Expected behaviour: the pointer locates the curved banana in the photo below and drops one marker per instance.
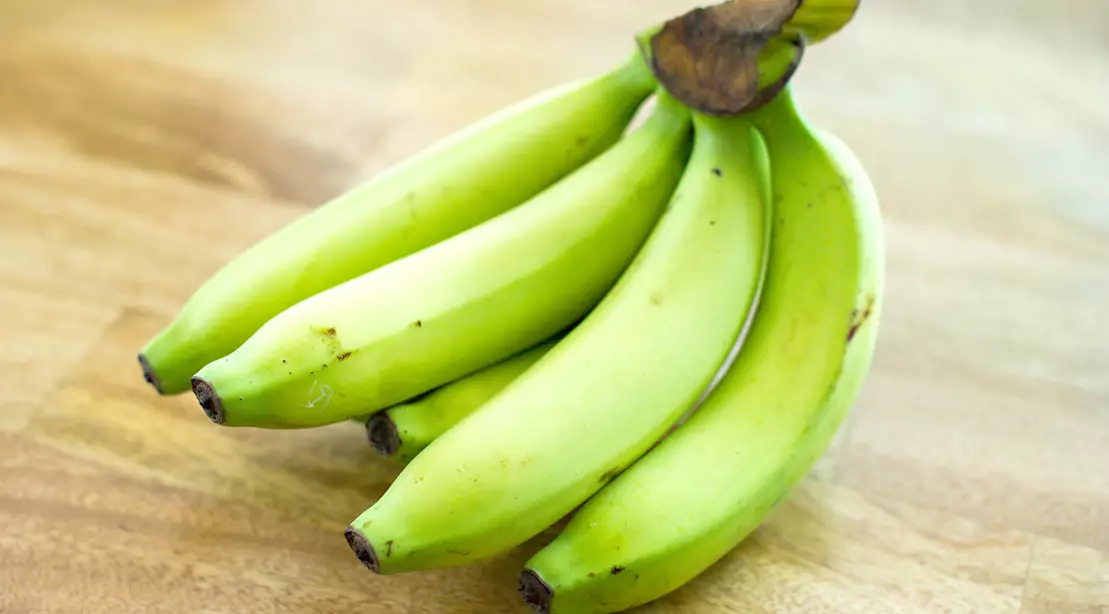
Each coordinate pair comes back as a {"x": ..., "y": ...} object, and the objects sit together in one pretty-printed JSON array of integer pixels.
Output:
[
  {"x": 702, "y": 490},
  {"x": 402, "y": 431},
  {"x": 604, "y": 394},
  {"x": 468, "y": 178},
  {"x": 460, "y": 305}
]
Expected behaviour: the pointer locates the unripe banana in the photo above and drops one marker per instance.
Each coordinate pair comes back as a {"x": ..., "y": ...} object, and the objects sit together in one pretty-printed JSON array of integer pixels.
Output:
[
  {"x": 462, "y": 181},
  {"x": 604, "y": 394},
  {"x": 402, "y": 431},
  {"x": 703, "y": 489},
  {"x": 816, "y": 20},
  {"x": 460, "y": 305}
]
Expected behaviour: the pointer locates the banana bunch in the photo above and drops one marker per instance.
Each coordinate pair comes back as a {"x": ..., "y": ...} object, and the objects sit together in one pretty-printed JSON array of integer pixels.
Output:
[{"x": 655, "y": 328}]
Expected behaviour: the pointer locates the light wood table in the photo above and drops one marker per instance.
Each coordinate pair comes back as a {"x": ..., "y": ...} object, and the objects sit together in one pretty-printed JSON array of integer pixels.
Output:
[{"x": 142, "y": 144}]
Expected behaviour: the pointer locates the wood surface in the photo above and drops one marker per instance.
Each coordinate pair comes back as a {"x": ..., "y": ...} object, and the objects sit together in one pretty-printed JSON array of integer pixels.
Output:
[{"x": 143, "y": 143}]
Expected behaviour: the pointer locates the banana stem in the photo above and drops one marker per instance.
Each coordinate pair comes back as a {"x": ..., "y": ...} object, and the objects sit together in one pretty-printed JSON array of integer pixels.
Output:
[
  {"x": 734, "y": 57},
  {"x": 383, "y": 434},
  {"x": 536, "y": 593},
  {"x": 362, "y": 549},
  {"x": 149, "y": 374},
  {"x": 209, "y": 400}
]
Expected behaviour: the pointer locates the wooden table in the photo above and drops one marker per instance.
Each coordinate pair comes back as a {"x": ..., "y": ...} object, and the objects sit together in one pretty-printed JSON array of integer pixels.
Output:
[{"x": 142, "y": 144}]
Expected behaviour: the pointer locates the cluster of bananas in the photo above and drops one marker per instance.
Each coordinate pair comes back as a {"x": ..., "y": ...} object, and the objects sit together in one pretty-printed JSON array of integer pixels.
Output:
[{"x": 525, "y": 313}]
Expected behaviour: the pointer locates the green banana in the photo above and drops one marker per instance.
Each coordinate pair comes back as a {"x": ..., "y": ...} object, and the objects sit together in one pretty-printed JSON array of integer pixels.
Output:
[
  {"x": 605, "y": 393},
  {"x": 402, "y": 431},
  {"x": 816, "y": 20},
  {"x": 468, "y": 178},
  {"x": 460, "y": 305},
  {"x": 703, "y": 489}
]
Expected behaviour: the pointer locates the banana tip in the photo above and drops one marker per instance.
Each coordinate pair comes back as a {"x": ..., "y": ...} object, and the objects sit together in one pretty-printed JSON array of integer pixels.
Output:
[
  {"x": 208, "y": 399},
  {"x": 536, "y": 593},
  {"x": 383, "y": 435},
  {"x": 362, "y": 549},
  {"x": 149, "y": 374}
]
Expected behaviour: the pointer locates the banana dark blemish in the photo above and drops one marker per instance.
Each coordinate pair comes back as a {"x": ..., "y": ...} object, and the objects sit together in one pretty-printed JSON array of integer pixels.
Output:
[{"x": 858, "y": 320}]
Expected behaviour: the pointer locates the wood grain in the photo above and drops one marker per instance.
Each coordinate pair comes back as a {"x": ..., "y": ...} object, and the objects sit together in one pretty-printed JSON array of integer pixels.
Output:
[{"x": 143, "y": 144}]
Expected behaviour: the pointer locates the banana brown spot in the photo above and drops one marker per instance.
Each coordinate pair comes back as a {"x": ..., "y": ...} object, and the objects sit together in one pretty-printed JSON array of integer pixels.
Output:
[
  {"x": 617, "y": 570},
  {"x": 331, "y": 341},
  {"x": 342, "y": 357},
  {"x": 857, "y": 319}
]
